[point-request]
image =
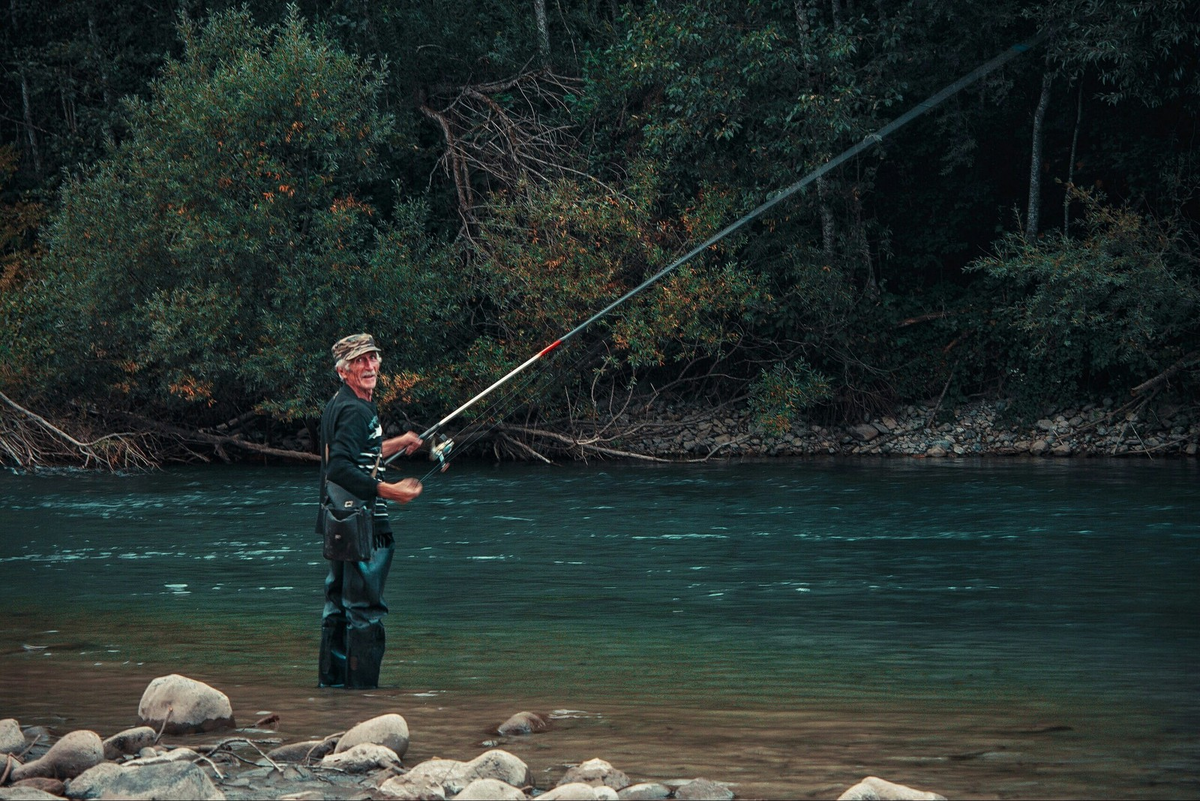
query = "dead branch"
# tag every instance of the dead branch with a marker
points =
(1166, 375)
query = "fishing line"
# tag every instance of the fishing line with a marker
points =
(868, 141)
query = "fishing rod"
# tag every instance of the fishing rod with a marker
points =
(441, 452)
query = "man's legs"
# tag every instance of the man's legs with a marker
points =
(332, 659)
(362, 600)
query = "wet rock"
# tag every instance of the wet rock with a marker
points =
(494, 764)
(864, 432)
(306, 751)
(491, 790)
(596, 772)
(874, 788)
(24, 793)
(12, 739)
(129, 742)
(410, 787)
(363, 758)
(646, 791)
(66, 759)
(704, 790)
(389, 730)
(162, 757)
(171, 781)
(51, 786)
(179, 705)
(523, 723)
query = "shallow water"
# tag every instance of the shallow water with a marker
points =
(1002, 628)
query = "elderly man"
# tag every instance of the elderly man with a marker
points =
(352, 454)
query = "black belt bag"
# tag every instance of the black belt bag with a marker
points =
(348, 523)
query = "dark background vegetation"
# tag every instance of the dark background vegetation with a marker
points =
(197, 199)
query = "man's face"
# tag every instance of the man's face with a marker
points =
(362, 373)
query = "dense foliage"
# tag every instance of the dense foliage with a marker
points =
(195, 203)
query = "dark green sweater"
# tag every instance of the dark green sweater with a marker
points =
(351, 443)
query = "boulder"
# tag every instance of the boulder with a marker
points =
(490, 790)
(578, 791)
(128, 742)
(390, 731)
(874, 788)
(12, 739)
(362, 758)
(413, 788)
(647, 791)
(523, 723)
(66, 759)
(703, 790)
(179, 705)
(596, 772)
(168, 781)
(453, 775)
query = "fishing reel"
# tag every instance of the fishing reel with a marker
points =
(440, 453)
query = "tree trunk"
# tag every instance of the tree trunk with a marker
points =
(1035, 160)
(1071, 162)
(539, 13)
(828, 223)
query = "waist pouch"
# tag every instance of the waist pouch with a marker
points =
(348, 523)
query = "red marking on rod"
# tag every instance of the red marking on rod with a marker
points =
(550, 347)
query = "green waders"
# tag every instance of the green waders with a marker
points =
(352, 636)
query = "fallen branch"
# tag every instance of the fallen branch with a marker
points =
(1166, 375)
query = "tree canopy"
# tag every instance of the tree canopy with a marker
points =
(194, 206)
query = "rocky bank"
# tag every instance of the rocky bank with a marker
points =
(364, 762)
(1104, 428)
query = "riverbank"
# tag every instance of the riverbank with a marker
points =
(982, 428)
(1012, 750)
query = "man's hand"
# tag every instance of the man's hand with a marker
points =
(407, 442)
(401, 491)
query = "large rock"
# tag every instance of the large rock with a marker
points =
(390, 731)
(413, 788)
(453, 775)
(647, 791)
(874, 788)
(128, 742)
(179, 705)
(66, 759)
(169, 781)
(490, 790)
(523, 723)
(704, 790)
(578, 791)
(12, 739)
(596, 772)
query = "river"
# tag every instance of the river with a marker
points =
(982, 628)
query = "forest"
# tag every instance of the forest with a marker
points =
(197, 199)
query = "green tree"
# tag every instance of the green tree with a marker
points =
(209, 259)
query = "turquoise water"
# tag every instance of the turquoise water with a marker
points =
(918, 576)
(1059, 585)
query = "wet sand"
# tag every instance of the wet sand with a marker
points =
(1010, 750)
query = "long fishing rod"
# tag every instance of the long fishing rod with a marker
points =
(441, 452)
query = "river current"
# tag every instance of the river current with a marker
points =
(990, 628)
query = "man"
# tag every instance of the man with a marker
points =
(352, 454)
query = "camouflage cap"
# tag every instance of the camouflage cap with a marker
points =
(351, 347)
